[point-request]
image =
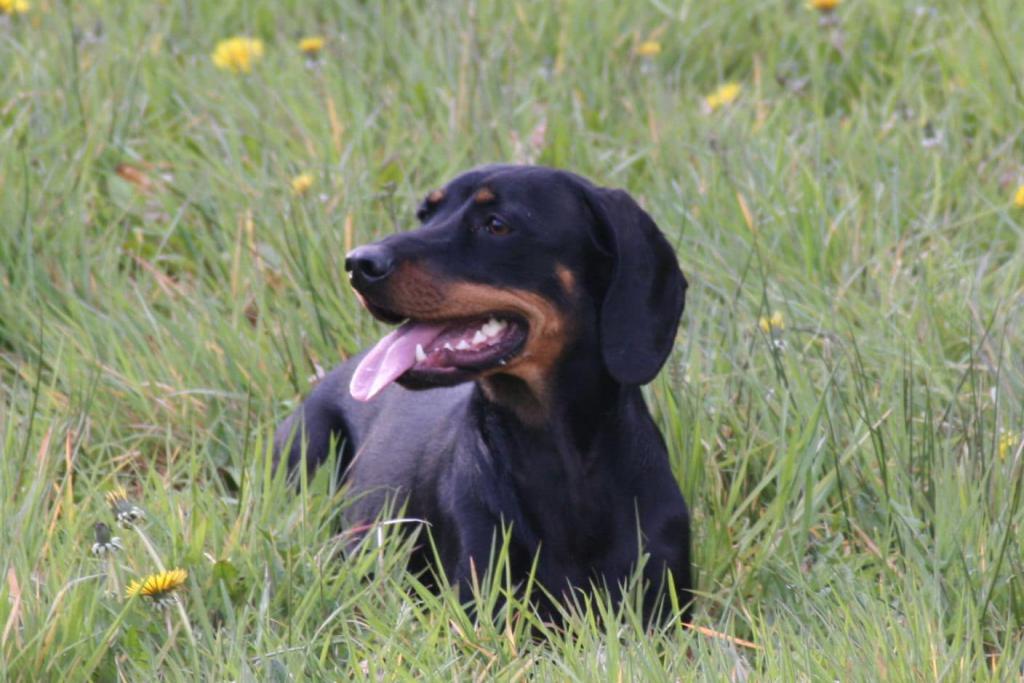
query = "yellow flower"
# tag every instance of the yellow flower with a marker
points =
(13, 6)
(158, 587)
(775, 323)
(237, 54)
(1018, 199)
(824, 5)
(301, 183)
(1007, 442)
(312, 45)
(723, 95)
(649, 48)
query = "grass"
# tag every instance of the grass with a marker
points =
(854, 475)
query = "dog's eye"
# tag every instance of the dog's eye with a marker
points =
(496, 226)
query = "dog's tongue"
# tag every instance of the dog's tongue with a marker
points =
(393, 355)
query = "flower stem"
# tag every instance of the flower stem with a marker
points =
(185, 623)
(160, 565)
(114, 584)
(149, 548)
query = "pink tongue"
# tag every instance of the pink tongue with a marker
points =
(393, 355)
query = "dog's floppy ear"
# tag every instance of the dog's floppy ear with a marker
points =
(646, 293)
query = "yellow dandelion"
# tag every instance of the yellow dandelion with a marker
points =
(1007, 442)
(301, 183)
(723, 95)
(1018, 198)
(312, 45)
(13, 6)
(824, 5)
(775, 323)
(237, 54)
(649, 48)
(158, 587)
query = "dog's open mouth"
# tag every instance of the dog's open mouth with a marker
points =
(438, 353)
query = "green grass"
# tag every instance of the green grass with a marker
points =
(852, 513)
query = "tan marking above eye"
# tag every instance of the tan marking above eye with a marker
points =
(566, 277)
(484, 195)
(435, 196)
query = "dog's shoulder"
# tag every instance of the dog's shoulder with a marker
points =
(400, 422)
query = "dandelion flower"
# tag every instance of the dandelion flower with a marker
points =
(125, 512)
(824, 5)
(1018, 198)
(301, 183)
(237, 54)
(1007, 442)
(775, 323)
(773, 327)
(106, 543)
(649, 48)
(722, 96)
(159, 587)
(13, 6)
(312, 45)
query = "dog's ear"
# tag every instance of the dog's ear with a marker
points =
(646, 293)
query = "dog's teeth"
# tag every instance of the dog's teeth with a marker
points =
(448, 346)
(420, 353)
(493, 327)
(479, 337)
(462, 345)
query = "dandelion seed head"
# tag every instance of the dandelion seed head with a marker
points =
(105, 542)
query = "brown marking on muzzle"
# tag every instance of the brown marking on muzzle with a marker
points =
(435, 197)
(416, 293)
(411, 292)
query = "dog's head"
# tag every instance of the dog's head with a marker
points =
(511, 267)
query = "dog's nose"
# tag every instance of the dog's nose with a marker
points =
(369, 264)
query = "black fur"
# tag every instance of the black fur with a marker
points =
(586, 486)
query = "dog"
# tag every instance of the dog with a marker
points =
(533, 306)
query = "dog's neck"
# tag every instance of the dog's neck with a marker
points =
(571, 460)
(577, 418)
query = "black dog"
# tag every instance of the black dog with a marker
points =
(536, 305)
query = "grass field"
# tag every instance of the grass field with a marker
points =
(843, 409)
